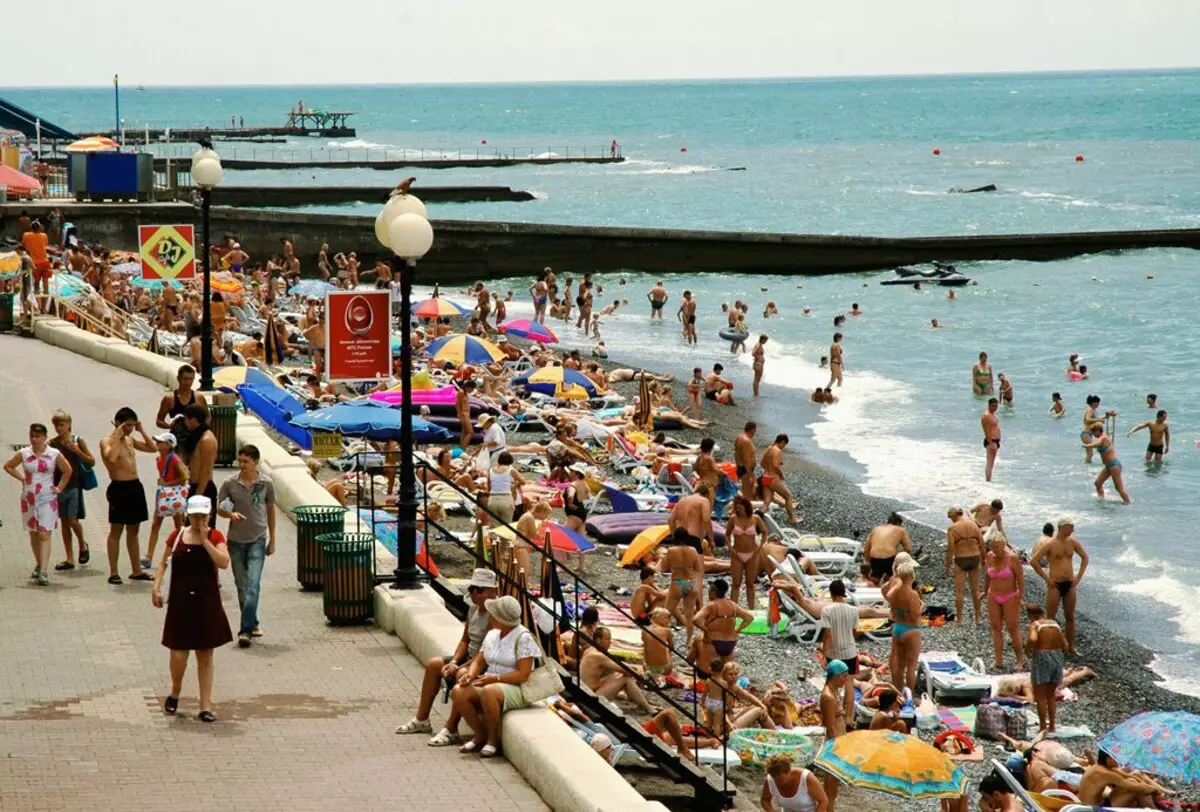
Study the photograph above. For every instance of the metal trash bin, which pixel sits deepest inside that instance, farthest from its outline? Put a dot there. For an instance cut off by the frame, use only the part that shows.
(224, 426)
(6, 312)
(349, 587)
(313, 521)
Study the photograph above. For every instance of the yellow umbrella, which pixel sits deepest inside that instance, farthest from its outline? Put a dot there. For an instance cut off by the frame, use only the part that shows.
(230, 377)
(891, 762)
(464, 349)
(226, 283)
(10, 262)
(94, 143)
(643, 543)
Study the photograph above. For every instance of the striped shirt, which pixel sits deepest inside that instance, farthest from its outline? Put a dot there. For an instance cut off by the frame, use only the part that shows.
(840, 619)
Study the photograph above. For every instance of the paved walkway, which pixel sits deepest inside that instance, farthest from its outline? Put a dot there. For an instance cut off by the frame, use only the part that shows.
(305, 715)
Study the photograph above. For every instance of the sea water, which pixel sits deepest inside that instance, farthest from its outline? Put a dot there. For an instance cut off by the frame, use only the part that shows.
(856, 156)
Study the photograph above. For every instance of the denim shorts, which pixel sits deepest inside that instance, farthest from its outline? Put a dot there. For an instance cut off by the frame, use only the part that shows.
(70, 504)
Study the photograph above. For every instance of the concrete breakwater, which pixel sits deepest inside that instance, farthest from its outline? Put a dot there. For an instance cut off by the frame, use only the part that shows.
(465, 250)
(288, 196)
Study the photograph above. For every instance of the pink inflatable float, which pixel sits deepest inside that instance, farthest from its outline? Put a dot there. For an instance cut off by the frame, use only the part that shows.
(420, 396)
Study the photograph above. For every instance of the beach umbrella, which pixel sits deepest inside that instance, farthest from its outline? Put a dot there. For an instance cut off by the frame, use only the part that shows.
(645, 410)
(155, 284)
(10, 263)
(65, 285)
(15, 181)
(891, 762)
(126, 269)
(528, 619)
(365, 418)
(643, 543)
(311, 287)
(438, 308)
(561, 538)
(464, 349)
(152, 344)
(1165, 744)
(94, 143)
(272, 352)
(230, 378)
(226, 283)
(556, 381)
(529, 329)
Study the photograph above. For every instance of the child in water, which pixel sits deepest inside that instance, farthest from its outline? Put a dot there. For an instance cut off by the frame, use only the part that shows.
(1057, 409)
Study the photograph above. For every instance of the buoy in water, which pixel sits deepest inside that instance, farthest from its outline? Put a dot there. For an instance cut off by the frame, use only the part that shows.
(1078, 159)
(937, 151)
(763, 288)
(1149, 276)
(683, 149)
(484, 141)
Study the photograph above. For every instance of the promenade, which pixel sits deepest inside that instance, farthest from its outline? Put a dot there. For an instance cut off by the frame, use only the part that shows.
(305, 716)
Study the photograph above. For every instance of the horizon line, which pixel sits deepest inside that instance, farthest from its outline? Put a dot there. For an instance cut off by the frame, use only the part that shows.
(652, 80)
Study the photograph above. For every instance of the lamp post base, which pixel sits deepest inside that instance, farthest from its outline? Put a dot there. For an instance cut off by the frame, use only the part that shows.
(406, 578)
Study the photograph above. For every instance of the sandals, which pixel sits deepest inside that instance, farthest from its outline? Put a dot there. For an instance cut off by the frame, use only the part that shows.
(64, 566)
(469, 747)
(487, 751)
(170, 705)
(142, 576)
(115, 580)
(206, 716)
(85, 555)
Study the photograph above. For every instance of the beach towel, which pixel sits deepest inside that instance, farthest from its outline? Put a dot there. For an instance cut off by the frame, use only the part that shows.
(870, 624)
(946, 666)
(1072, 732)
(952, 721)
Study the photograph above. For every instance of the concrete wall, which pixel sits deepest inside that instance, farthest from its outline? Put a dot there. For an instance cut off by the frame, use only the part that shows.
(287, 196)
(467, 250)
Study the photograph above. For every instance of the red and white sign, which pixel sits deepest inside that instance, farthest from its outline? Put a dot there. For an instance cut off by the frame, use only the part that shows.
(358, 335)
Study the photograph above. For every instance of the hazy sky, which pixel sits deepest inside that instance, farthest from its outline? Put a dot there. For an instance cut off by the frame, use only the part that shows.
(400, 42)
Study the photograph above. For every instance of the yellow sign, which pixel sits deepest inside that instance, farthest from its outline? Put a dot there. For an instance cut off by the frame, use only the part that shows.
(167, 252)
(326, 445)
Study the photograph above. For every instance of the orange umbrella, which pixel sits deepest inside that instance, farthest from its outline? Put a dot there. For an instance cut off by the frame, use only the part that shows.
(16, 181)
(94, 143)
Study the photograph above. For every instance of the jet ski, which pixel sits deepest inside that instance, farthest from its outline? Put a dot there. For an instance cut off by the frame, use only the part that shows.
(940, 274)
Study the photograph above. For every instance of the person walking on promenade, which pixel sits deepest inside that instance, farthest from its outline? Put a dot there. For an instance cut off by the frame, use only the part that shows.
(1062, 579)
(170, 495)
(126, 495)
(70, 502)
(200, 454)
(195, 619)
(248, 501)
(34, 466)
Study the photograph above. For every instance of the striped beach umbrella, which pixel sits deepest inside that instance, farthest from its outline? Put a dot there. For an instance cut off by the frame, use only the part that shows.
(438, 308)
(529, 329)
(94, 143)
(464, 349)
(895, 763)
(272, 352)
(556, 381)
(152, 344)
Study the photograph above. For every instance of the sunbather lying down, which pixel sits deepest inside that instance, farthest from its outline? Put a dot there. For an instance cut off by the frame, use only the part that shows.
(1020, 687)
(814, 605)
(624, 375)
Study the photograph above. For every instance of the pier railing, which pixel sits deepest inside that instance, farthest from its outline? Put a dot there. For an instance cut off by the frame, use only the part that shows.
(333, 154)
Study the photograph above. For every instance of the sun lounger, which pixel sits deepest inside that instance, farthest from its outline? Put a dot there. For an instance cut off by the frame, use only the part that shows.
(673, 483)
(1049, 801)
(807, 541)
(623, 502)
(947, 676)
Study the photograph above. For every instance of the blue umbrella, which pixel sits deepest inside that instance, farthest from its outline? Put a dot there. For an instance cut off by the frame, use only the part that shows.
(552, 380)
(311, 287)
(155, 284)
(1165, 744)
(367, 419)
(65, 284)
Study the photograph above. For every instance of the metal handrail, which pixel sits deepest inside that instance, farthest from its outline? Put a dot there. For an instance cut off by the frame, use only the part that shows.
(61, 304)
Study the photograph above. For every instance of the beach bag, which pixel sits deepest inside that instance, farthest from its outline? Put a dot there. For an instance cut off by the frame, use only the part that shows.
(995, 719)
(543, 681)
(169, 500)
(927, 715)
(87, 474)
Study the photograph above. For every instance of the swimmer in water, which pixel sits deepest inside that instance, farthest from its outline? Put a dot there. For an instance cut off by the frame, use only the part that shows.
(817, 396)
(1057, 409)
(1152, 401)
(839, 320)
(1073, 363)
(835, 360)
(991, 436)
(1160, 436)
(981, 376)
(934, 324)
(1080, 374)
(1103, 444)
(917, 287)
(600, 351)
(951, 295)
(854, 311)
(806, 311)
(1092, 416)
(829, 396)
(770, 310)
(824, 362)
(1006, 390)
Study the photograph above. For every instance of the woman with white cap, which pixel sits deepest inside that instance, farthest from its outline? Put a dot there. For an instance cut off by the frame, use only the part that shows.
(196, 619)
(491, 685)
(906, 611)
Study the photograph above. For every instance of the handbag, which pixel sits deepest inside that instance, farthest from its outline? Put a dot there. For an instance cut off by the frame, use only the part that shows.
(169, 500)
(87, 474)
(992, 720)
(543, 681)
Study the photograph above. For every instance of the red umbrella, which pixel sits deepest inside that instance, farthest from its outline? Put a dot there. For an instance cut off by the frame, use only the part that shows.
(18, 181)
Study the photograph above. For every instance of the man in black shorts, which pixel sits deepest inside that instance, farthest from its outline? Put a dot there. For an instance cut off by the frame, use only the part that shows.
(200, 452)
(127, 507)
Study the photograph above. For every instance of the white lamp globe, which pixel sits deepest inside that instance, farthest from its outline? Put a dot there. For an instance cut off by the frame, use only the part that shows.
(403, 204)
(410, 236)
(201, 154)
(207, 172)
(381, 231)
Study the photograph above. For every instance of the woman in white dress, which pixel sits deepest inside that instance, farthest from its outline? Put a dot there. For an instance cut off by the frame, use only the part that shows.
(33, 466)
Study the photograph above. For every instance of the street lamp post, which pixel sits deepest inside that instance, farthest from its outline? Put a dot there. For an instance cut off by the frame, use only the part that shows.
(402, 226)
(206, 174)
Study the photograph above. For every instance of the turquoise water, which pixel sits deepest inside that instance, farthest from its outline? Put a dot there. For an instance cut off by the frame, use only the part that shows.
(855, 156)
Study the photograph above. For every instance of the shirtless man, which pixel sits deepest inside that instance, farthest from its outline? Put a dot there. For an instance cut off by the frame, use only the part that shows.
(694, 514)
(1130, 789)
(599, 672)
(745, 457)
(315, 335)
(237, 258)
(773, 481)
(835, 360)
(127, 507)
(988, 515)
(200, 453)
(483, 304)
(707, 471)
(687, 316)
(833, 714)
(981, 377)
(991, 436)
(540, 292)
(1062, 579)
(1006, 390)
(882, 545)
(658, 298)
(965, 550)
(717, 388)
(1160, 436)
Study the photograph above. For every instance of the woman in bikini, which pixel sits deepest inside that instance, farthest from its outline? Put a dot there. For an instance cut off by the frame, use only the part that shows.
(722, 696)
(964, 550)
(906, 611)
(1102, 443)
(745, 532)
(687, 574)
(981, 376)
(759, 354)
(718, 620)
(1004, 583)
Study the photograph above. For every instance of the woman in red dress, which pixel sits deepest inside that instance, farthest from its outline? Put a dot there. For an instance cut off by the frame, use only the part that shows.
(196, 620)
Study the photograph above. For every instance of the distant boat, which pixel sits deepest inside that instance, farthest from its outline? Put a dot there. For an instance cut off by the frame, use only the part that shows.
(141, 88)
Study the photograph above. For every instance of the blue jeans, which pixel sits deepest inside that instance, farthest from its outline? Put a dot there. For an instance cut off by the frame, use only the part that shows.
(247, 558)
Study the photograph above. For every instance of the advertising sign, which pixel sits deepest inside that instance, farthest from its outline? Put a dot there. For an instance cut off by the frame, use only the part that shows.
(358, 335)
(167, 252)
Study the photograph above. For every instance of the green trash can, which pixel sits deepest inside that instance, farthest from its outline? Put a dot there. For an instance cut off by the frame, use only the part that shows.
(6, 312)
(313, 521)
(349, 577)
(224, 425)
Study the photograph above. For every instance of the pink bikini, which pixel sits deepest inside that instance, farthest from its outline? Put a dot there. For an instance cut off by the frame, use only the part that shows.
(1007, 572)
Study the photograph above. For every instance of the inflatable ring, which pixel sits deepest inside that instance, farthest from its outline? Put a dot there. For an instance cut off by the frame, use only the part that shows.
(733, 335)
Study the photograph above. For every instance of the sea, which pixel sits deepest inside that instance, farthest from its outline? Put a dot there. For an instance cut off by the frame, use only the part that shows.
(875, 156)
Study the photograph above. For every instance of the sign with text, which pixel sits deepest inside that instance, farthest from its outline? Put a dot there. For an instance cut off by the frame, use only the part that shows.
(167, 252)
(326, 445)
(358, 335)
